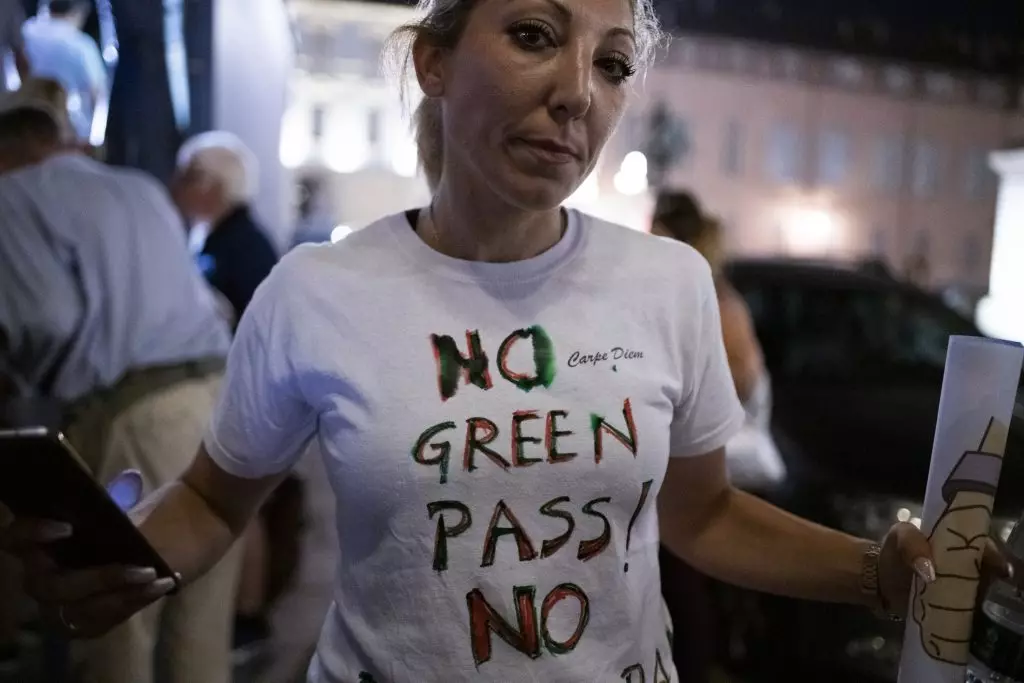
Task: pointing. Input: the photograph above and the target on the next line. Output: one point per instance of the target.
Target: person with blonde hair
(515, 402)
(678, 216)
(214, 184)
(753, 461)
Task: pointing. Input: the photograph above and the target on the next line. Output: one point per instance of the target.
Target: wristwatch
(871, 585)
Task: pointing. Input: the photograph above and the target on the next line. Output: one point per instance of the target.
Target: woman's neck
(467, 226)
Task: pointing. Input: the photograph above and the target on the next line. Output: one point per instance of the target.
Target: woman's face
(532, 93)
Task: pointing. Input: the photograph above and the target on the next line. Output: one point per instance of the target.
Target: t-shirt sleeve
(710, 412)
(262, 423)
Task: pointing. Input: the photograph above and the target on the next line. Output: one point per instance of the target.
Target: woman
(753, 461)
(499, 398)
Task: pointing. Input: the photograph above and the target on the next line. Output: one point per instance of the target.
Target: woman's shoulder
(312, 268)
(645, 253)
(361, 249)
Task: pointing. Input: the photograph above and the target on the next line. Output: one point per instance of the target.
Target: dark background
(984, 35)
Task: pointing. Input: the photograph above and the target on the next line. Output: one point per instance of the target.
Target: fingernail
(55, 531)
(925, 569)
(160, 587)
(1011, 571)
(140, 575)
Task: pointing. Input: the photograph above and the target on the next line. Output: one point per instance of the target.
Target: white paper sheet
(978, 393)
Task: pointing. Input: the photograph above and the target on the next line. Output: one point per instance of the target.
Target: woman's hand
(89, 603)
(907, 552)
(83, 603)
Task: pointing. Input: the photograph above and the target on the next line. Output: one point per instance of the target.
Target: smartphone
(42, 477)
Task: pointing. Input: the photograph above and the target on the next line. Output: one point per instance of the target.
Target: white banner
(978, 393)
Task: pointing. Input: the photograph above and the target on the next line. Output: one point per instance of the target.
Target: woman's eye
(533, 36)
(618, 70)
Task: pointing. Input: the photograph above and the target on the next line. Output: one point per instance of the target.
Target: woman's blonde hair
(708, 242)
(681, 217)
(442, 24)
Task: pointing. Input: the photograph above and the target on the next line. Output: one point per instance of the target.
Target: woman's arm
(739, 539)
(194, 521)
(742, 350)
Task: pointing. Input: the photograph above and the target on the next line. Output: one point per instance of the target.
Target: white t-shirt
(496, 435)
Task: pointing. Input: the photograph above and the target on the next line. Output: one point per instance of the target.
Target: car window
(816, 331)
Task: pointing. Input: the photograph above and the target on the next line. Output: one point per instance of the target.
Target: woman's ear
(429, 62)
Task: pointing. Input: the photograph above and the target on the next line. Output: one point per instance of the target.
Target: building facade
(346, 124)
(824, 155)
(799, 152)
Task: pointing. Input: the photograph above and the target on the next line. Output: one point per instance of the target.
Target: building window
(375, 135)
(898, 80)
(319, 43)
(739, 58)
(791, 65)
(318, 122)
(732, 149)
(927, 169)
(992, 94)
(940, 85)
(889, 155)
(847, 73)
(373, 126)
(785, 159)
(372, 56)
(347, 43)
(833, 157)
(686, 52)
(978, 176)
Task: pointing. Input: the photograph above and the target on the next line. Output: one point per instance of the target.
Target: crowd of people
(114, 332)
(212, 373)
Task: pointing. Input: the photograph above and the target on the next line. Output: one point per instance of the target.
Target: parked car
(856, 359)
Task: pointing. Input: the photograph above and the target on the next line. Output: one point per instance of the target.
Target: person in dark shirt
(213, 185)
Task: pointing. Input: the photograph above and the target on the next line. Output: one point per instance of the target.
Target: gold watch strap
(871, 585)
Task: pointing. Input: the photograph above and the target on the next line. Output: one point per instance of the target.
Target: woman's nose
(571, 95)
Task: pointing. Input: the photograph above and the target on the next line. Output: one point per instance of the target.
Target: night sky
(985, 35)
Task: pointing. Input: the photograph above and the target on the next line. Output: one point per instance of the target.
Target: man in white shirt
(58, 48)
(103, 312)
